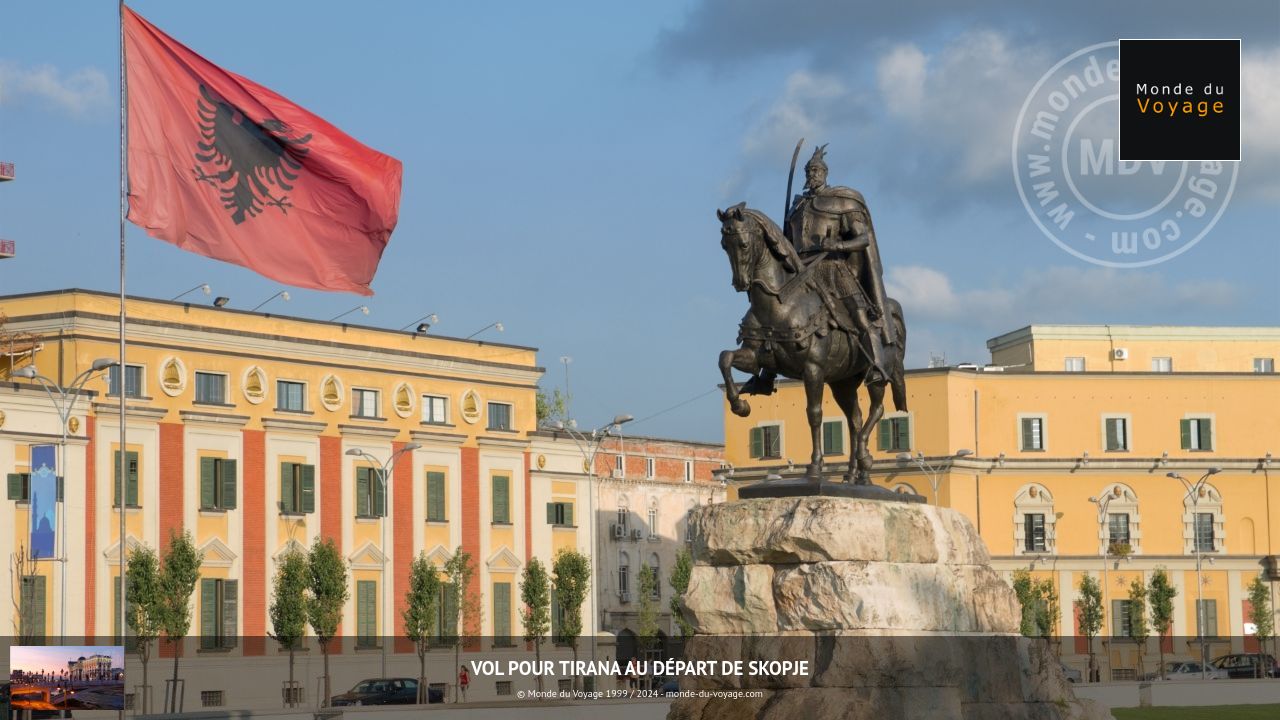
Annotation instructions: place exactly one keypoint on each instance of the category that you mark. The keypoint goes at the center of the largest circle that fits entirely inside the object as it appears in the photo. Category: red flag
(223, 167)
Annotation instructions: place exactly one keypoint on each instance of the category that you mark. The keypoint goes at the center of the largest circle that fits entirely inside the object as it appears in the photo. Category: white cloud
(901, 75)
(76, 93)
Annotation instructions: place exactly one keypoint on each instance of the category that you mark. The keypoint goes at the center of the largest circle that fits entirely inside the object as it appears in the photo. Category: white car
(1189, 670)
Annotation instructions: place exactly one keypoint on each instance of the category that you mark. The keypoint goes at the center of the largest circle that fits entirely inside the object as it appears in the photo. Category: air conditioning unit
(624, 596)
(636, 534)
(618, 474)
(619, 531)
(1120, 354)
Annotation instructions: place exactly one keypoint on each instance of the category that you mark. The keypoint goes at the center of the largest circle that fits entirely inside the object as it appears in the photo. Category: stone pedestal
(894, 606)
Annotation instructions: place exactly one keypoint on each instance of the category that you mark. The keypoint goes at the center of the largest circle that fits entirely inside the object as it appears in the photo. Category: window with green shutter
(833, 437)
(19, 486)
(1207, 618)
(219, 614)
(766, 441)
(131, 484)
(370, 493)
(894, 434)
(501, 499)
(31, 611)
(366, 613)
(1117, 434)
(447, 615)
(297, 488)
(1197, 433)
(217, 484)
(560, 513)
(502, 614)
(435, 497)
(757, 442)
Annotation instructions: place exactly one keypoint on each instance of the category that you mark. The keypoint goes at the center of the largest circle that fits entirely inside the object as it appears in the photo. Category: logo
(247, 158)
(1103, 210)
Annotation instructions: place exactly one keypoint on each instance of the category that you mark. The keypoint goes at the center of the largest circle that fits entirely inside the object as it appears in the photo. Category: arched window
(1034, 521)
(1202, 522)
(624, 576)
(623, 517)
(653, 518)
(656, 564)
(1120, 531)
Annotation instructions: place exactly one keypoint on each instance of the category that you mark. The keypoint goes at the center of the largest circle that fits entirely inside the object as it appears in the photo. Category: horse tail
(897, 379)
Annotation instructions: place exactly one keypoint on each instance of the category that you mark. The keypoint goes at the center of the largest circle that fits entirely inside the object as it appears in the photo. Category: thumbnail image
(86, 677)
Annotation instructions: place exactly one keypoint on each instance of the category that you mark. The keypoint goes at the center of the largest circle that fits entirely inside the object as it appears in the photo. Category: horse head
(744, 234)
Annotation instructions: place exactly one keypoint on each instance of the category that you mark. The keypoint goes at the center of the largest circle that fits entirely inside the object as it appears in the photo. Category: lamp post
(283, 295)
(1193, 491)
(495, 325)
(382, 470)
(589, 461)
(64, 401)
(1102, 504)
(934, 474)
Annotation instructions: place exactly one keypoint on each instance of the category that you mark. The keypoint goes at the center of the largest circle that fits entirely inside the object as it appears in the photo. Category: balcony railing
(6, 171)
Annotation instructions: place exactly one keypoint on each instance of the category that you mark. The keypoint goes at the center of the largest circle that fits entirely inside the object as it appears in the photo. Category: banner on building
(44, 501)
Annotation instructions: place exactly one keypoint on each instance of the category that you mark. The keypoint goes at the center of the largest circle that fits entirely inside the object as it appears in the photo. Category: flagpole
(121, 374)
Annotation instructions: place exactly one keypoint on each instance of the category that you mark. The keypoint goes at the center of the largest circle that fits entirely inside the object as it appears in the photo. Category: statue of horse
(792, 330)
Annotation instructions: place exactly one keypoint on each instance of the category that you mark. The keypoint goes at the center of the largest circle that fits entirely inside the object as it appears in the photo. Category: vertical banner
(44, 501)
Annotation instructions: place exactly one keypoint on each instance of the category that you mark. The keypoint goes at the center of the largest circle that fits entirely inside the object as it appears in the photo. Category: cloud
(75, 93)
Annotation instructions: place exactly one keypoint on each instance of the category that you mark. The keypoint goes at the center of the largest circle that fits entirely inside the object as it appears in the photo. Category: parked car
(1072, 674)
(1246, 665)
(670, 687)
(385, 691)
(1187, 670)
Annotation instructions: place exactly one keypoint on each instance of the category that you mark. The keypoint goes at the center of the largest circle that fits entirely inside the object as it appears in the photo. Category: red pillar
(172, 478)
(253, 504)
(470, 459)
(331, 506)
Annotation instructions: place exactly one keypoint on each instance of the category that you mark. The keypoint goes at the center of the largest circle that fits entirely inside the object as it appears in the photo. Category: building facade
(1060, 454)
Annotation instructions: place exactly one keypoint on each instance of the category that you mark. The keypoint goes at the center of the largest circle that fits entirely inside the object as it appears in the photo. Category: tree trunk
(575, 664)
(424, 695)
(292, 700)
(177, 652)
(537, 654)
(1161, 668)
(144, 656)
(324, 650)
(457, 662)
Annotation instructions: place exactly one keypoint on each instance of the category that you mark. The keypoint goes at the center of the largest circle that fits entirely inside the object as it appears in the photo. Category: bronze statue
(818, 312)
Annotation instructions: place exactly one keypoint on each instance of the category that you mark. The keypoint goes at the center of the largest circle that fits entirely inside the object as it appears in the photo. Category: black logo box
(1187, 68)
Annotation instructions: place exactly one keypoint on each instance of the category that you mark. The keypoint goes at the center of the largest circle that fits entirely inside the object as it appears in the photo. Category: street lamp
(382, 470)
(1193, 491)
(202, 286)
(64, 401)
(424, 323)
(360, 308)
(589, 460)
(495, 325)
(283, 295)
(934, 474)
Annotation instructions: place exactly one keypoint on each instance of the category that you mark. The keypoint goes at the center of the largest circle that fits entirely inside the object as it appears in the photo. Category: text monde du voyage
(1178, 99)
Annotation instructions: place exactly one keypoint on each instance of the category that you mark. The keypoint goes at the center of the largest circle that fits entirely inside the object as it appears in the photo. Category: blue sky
(563, 162)
(54, 659)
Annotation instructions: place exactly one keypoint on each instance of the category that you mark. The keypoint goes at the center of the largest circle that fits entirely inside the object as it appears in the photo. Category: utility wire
(676, 406)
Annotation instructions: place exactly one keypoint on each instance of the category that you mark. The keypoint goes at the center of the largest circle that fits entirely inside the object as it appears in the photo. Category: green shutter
(1184, 427)
(378, 486)
(308, 488)
(208, 483)
(1206, 433)
(502, 613)
(15, 486)
(501, 498)
(568, 513)
(115, 609)
(286, 488)
(450, 610)
(131, 483)
(208, 614)
(883, 438)
(32, 615)
(366, 612)
(61, 487)
(901, 433)
(229, 484)
(230, 593)
(1028, 434)
(551, 513)
(115, 479)
(1113, 435)
(757, 442)
(362, 492)
(832, 438)
(435, 496)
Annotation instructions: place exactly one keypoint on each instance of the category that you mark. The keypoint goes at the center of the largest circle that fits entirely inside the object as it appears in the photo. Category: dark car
(1248, 665)
(385, 691)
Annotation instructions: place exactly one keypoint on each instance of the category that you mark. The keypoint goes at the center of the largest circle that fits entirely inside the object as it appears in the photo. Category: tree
(1139, 630)
(1260, 613)
(1161, 594)
(328, 595)
(288, 609)
(462, 607)
(680, 574)
(1090, 607)
(571, 572)
(179, 573)
(553, 406)
(647, 613)
(1039, 601)
(144, 609)
(535, 593)
(420, 614)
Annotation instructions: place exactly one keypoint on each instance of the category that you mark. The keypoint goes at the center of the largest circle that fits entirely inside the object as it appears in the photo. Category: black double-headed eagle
(248, 157)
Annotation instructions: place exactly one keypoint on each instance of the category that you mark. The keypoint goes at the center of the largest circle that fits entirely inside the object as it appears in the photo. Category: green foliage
(647, 613)
(288, 611)
(180, 571)
(460, 569)
(535, 593)
(1090, 606)
(1139, 628)
(680, 574)
(1260, 612)
(1160, 595)
(571, 573)
(553, 406)
(420, 603)
(1039, 602)
(328, 594)
(145, 609)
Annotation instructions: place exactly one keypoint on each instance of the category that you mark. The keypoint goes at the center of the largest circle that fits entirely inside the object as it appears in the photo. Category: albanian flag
(223, 167)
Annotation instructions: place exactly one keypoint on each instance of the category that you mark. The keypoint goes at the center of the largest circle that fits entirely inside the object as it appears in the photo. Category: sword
(786, 208)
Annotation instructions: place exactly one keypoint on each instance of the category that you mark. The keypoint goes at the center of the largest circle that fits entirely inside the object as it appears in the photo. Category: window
(624, 581)
(1196, 433)
(1264, 365)
(1207, 618)
(1120, 618)
(833, 437)
(1118, 529)
(1205, 541)
(131, 484)
(619, 465)
(297, 488)
(1074, 364)
(20, 487)
(502, 687)
(653, 523)
(291, 396)
(371, 493)
(364, 403)
(217, 484)
(1117, 433)
(1033, 534)
(447, 615)
(499, 416)
(688, 471)
(366, 613)
(435, 409)
(32, 610)
(623, 514)
(560, 513)
(501, 499)
(766, 441)
(649, 468)
(132, 380)
(502, 614)
(1162, 364)
(657, 579)
(211, 388)
(218, 613)
(211, 698)
(557, 619)
(435, 497)
(895, 434)
(1032, 434)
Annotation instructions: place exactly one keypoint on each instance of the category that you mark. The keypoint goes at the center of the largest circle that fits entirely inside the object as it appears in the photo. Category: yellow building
(1059, 463)
(259, 434)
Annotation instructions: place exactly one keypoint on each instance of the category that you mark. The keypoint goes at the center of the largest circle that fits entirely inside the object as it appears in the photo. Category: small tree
(1260, 613)
(144, 609)
(1090, 606)
(1049, 608)
(1139, 630)
(681, 571)
(535, 593)
(571, 571)
(463, 610)
(420, 614)
(1161, 594)
(180, 570)
(288, 609)
(1038, 599)
(647, 612)
(329, 593)
(553, 406)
